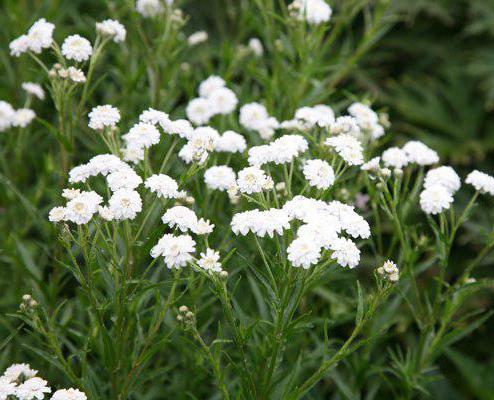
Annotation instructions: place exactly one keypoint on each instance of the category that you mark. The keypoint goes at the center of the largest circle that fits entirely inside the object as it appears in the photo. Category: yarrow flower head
(163, 186)
(181, 217)
(149, 8)
(389, 271)
(7, 114)
(18, 372)
(125, 204)
(254, 116)
(113, 29)
(142, 135)
(197, 38)
(230, 142)
(34, 89)
(103, 116)
(435, 199)
(395, 157)
(69, 394)
(209, 261)
(481, 182)
(418, 153)
(345, 252)
(23, 117)
(39, 37)
(33, 388)
(444, 176)
(176, 250)
(252, 180)
(304, 252)
(261, 223)
(220, 177)
(77, 48)
(348, 148)
(319, 173)
(313, 11)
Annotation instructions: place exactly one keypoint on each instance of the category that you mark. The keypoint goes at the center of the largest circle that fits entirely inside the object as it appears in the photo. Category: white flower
(23, 117)
(40, 36)
(253, 116)
(260, 155)
(346, 125)
(287, 147)
(34, 89)
(345, 252)
(70, 194)
(323, 228)
(155, 117)
(124, 178)
(106, 213)
(319, 173)
(444, 176)
(56, 214)
(255, 45)
(417, 152)
(367, 119)
(77, 48)
(313, 11)
(199, 111)
(318, 115)
(435, 199)
(204, 138)
(69, 394)
(481, 182)
(180, 127)
(197, 37)
(219, 177)
(176, 250)
(33, 388)
(251, 180)
(81, 209)
(113, 29)
(125, 204)
(7, 388)
(80, 173)
(348, 148)
(261, 223)
(103, 116)
(211, 84)
(105, 163)
(209, 261)
(19, 45)
(223, 101)
(230, 142)
(182, 217)
(76, 75)
(7, 114)
(142, 135)
(163, 186)
(16, 371)
(133, 153)
(389, 271)
(149, 8)
(395, 157)
(371, 165)
(203, 227)
(304, 251)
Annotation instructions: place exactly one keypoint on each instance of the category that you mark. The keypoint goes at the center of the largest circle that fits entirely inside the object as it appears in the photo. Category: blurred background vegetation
(431, 68)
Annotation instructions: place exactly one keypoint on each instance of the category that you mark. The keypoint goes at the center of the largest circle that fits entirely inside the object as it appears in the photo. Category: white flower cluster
(253, 180)
(254, 116)
(322, 225)
(34, 89)
(313, 11)
(9, 117)
(440, 184)
(124, 203)
(220, 177)
(102, 117)
(77, 48)
(389, 271)
(482, 182)
(150, 8)
(307, 118)
(20, 382)
(199, 144)
(215, 98)
(197, 38)
(113, 29)
(38, 37)
(413, 152)
(347, 147)
(319, 173)
(281, 151)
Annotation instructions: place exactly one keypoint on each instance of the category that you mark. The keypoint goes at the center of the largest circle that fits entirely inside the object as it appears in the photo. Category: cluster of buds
(74, 74)
(28, 304)
(389, 271)
(177, 17)
(185, 316)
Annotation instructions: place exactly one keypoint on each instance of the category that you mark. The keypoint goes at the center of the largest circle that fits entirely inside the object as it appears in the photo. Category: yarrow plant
(219, 236)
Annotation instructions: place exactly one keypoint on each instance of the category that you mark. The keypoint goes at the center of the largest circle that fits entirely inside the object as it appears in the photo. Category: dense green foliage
(428, 64)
